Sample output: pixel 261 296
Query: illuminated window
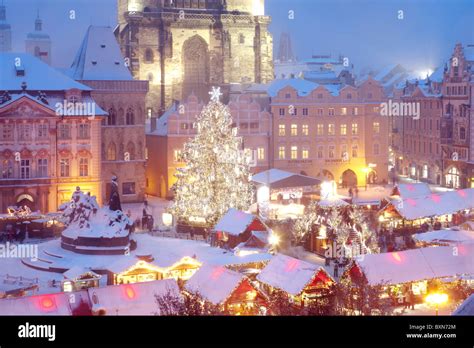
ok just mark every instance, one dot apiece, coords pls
pixel 343 129
pixel 331 111
pixel 343 111
pixel 331 129
pixel 305 130
pixel 305 152
pixel 355 111
pixel 178 155
pixel 84 131
pixel 282 130
pixel 281 152
pixel 83 167
pixel 355 129
pixel 294 129
pixel 294 152
pixel 111 152
pixel 320 129
pixel 261 153
pixel 376 127
pixel 344 154
pixel 64 165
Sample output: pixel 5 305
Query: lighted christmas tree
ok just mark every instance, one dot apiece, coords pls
pixel 216 174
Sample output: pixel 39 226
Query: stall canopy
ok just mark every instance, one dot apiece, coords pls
pixel 417 264
pixel 236 222
pixel 215 283
pixel 277 179
pixel 466 308
pixel 292 275
pixel 40 305
pixel 445 236
pixel 434 204
pixel 131 299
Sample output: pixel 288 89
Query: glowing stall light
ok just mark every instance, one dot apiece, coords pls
pixel 323 232
pixel 328 189
pixel 274 239
pixel 436 299
pixel 263 194
pixel 46 303
pixel 167 219
pixel 130 292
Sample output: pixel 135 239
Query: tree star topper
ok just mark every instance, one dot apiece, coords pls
pixel 215 94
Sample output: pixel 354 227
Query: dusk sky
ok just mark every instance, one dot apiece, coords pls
pixel 368 32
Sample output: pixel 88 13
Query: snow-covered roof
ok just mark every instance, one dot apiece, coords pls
pixel 234 222
pixel 75 272
pixel 437 75
pixel 40 305
pixel 445 236
pixel 162 122
pixel 277 178
pixel 303 87
pixel 435 204
pixel 132 299
pixel 214 283
pixel 38 75
pixel 99 57
pixel 417 264
pixel 289 274
pixel 411 190
pixel 332 202
pixel 466 308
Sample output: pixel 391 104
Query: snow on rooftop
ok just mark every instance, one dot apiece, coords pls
pixel 288 274
pixel 234 222
pixel 446 236
pixel 132 299
pixel 40 305
pixel 38 75
pixel 417 264
pixel 99 57
pixel 412 190
pixel 435 204
pixel 271 176
pixel 214 283
pixel 75 272
pixel 303 87
pixel 466 308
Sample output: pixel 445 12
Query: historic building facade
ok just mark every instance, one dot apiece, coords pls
pixel 99 65
pixel 185 46
pixel 416 139
pixel 38 43
pixel 49 135
pixel 439 146
pixel 332 132
pixel 166 139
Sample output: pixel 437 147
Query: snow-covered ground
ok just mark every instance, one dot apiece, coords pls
pixel 156 208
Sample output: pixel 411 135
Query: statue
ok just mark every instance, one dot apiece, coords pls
pixel 114 200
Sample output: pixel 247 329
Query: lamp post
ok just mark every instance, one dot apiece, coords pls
pixel 436 299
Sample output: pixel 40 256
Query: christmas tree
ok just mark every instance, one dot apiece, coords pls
pixel 216 174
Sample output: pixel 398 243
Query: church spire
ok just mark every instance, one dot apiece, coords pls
pixel 38 22
pixel 3 12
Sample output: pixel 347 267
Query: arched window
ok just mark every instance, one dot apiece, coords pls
pixel 140 150
pixel 241 39
pixel 130 117
pixel 112 118
pixel 149 55
pixel 112 152
pixel 150 77
pixel 462 133
pixel 121 117
pixel 37 51
pixel 131 151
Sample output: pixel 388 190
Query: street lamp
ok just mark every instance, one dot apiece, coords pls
pixel 436 299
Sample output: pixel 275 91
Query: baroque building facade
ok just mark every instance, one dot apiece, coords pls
pixel 99 65
pixel 185 46
pixel 49 135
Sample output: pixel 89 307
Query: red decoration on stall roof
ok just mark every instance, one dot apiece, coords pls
pixel 411 201
pixel 130 292
pixel 217 272
pixel 46 303
pixel 291 265
pixel 436 198
pixel 396 257
pixel 462 193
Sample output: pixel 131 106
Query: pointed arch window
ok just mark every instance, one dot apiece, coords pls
pixel 112 118
pixel 131 151
pixel 130 117
pixel 111 152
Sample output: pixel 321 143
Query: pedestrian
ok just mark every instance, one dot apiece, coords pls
pixel 357 192
pixel 350 192
pixel 336 269
pixel 411 299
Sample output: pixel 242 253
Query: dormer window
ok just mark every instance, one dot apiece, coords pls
pixel 103 46
pixel 94 62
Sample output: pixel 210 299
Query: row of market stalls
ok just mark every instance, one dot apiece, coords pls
pixel 232 291
pixel 414 269
pixel 412 207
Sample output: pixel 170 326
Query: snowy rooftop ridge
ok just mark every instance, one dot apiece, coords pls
pixel 37 75
pixel 214 283
pixel 99 57
pixel 466 308
pixel 289 274
pixel 234 222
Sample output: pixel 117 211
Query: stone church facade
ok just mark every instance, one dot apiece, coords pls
pixel 186 46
